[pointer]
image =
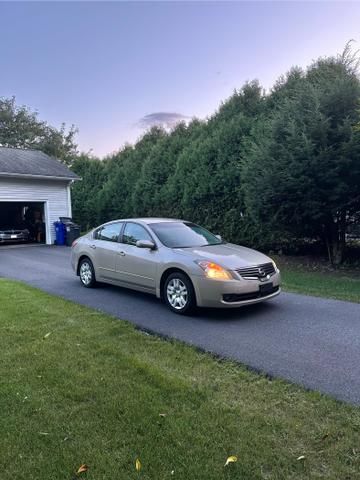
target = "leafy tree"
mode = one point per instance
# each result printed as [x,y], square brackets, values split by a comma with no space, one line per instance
[20,127]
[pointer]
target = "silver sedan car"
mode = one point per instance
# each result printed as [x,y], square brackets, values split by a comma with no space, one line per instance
[178,261]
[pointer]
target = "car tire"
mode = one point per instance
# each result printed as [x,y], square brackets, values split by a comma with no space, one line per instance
[178,293]
[87,273]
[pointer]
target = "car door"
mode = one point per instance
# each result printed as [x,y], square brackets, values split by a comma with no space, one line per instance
[136,267]
[105,248]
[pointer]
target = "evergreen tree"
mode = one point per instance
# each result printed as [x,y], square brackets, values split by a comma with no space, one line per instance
[302,168]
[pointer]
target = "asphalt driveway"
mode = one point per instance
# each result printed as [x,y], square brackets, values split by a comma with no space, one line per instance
[310,341]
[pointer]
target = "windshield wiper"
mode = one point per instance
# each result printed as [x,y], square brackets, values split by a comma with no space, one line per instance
[199,246]
[212,244]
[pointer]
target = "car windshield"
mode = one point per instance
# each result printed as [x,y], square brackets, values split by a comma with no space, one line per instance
[183,235]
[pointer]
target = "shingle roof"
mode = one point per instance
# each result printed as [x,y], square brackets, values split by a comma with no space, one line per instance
[20,162]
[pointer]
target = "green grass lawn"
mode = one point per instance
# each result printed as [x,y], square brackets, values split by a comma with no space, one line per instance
[78,386]
[341,284]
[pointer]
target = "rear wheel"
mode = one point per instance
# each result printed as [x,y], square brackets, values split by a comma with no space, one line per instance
[87,273]
[179,294]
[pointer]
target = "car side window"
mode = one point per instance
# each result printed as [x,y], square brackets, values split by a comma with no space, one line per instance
[134,232]
[96,234]
[109,233]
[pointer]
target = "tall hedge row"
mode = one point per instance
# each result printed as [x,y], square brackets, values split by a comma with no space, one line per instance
[267,169]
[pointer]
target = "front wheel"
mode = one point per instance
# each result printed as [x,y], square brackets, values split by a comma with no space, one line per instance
[179,293]
[87,273]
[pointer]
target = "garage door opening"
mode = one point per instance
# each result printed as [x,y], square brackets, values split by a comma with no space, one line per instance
[22,222]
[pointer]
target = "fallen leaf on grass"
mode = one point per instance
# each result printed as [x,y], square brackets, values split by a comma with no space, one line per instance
[43,433]
[46,335]
[162,414]
[231,459]
[302,457]
[138,465]
[83,468]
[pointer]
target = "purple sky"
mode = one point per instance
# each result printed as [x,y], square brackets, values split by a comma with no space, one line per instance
[109,67]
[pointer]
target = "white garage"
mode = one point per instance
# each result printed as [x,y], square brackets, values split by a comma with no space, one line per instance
[34,190]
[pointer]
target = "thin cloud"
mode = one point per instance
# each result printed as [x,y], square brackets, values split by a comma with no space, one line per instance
[163,119]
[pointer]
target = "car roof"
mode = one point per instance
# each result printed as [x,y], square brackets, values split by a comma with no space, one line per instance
[147,220]
[157,220]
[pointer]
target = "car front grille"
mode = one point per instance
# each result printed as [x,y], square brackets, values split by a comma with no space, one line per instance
[258,272]
[12,232]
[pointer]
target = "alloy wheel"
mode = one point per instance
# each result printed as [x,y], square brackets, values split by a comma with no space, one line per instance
[177,293]
[86,273]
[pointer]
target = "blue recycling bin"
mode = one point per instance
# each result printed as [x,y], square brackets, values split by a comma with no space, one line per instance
[60,232]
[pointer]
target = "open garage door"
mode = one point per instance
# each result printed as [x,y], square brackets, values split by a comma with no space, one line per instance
[23,222]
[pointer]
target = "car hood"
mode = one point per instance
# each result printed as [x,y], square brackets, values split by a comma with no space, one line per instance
[12,228]
[227,255]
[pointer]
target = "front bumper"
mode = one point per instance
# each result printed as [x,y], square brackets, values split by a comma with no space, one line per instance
[9,238]
[215,293]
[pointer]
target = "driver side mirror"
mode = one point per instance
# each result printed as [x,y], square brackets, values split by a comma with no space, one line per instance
[219,237]
[145,244]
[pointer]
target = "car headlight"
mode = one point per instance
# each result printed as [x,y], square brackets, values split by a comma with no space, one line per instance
[275,266]
[214,271]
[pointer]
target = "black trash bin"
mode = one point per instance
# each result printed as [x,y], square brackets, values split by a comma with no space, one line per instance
[72,230]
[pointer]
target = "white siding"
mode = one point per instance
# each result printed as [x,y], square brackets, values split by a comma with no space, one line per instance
[53,192]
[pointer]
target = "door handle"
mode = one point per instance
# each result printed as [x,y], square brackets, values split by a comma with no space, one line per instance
[122,253]
[93,246]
